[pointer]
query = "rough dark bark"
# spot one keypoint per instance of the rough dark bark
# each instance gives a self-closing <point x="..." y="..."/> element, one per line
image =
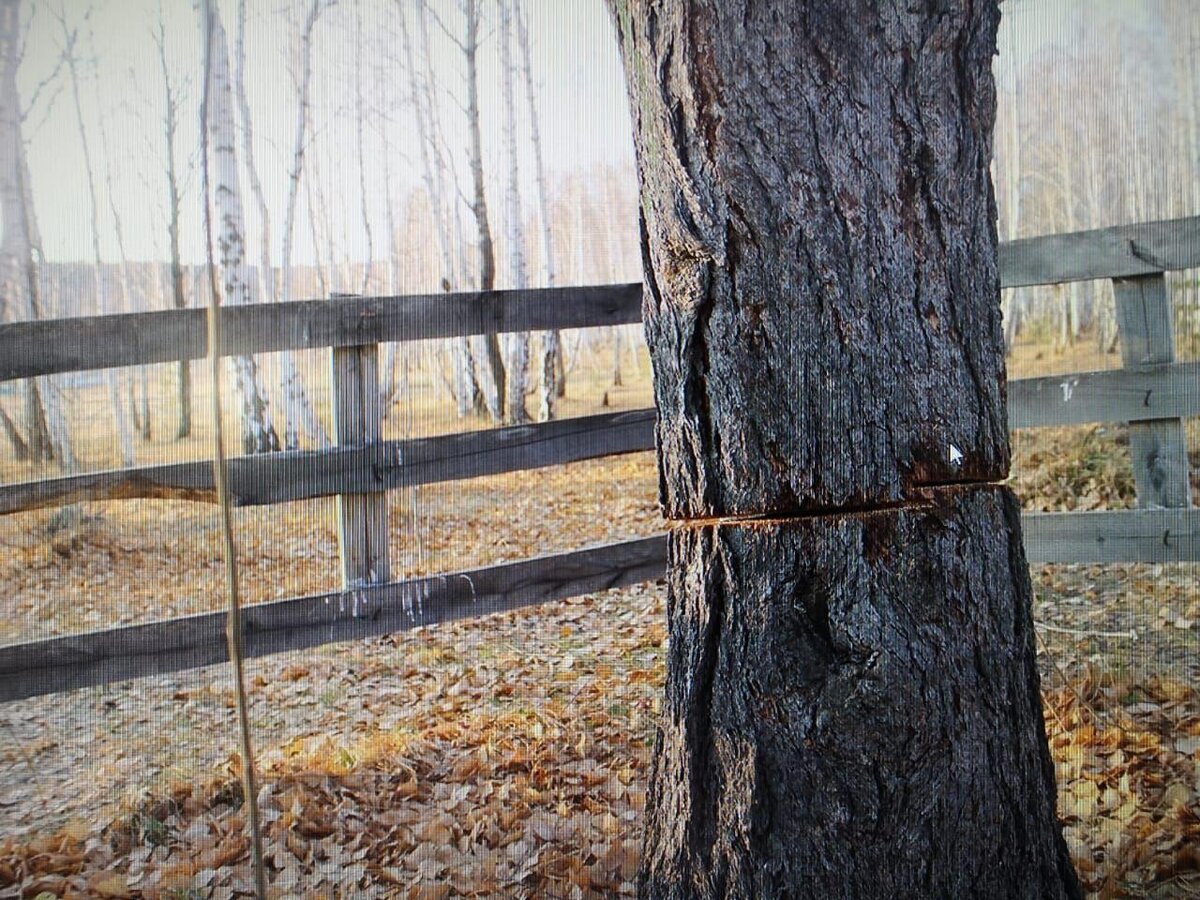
<point x="816" y="199"/>
<point x="852" y="698"/>
<point x="853" y="711"/>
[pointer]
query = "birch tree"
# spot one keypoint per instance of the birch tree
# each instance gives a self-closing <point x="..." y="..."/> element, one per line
<point x="518" y="343"/>
<point x="360" y="144"/>
<point x="1011" y="146"/>
<point x="171" y="106"/>
<point x="388" y="389"/>
<point x="47" y="434"/>
<point x="487" y="251"/>
<point x="852" y="703"/>
<point x="467" y="392"/>
<point x="139" y="406"/>
<point x="300" y="418"/>
<point x="100" y="283"/>
<point x="315" y="203"/>
<point x="258" y="431"/>
<point x="552" y="369"/>
<point x="16" y="252"/>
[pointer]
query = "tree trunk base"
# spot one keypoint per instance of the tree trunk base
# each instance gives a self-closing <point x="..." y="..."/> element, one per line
<point x="853" y="711"/>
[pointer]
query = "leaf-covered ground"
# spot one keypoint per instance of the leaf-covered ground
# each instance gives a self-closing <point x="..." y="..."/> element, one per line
<point x="504" y="757"/>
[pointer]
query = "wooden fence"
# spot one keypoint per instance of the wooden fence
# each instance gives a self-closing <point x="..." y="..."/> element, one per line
<point x="1152" y="392"/>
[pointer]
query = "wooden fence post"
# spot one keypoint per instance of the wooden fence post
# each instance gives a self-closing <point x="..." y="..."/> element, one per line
<point x="357" y="419"/>
<point x="1158" y="446"/>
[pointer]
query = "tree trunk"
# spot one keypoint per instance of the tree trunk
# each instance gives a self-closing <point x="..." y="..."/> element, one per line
<point x="1012" y="180"/>
<point x="853" y="710"/>
<point x="360" y="144"/>
<point x="467" y="350"/>
<point x="100" y="283"/>
<point x="19" y="448"/>
<point x="258" y="431"/>
<point x="47" y="433"/>
<point x="487" y="252"/>
<point x="315" y="200"/>
<point x="302" y="418"/>
<point x="178" y="295"/>
<point x="40" y="446"/>
<point x="387" y="391"/>
<point x="617" y="339"/>
<point x="553" y="375"/>
<point x="137" y="379"/>
<point x="852" y="700"/>
<point x="517" y="368"/>
<point x="467" y="393"/>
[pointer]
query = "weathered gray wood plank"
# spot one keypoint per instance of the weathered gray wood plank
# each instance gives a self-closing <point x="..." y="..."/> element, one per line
<point x="281" y="477"/>
<point x="66" y="663"/>
<point x="1142" y="535"/>
<point x="379" y="566"/>
<point x="97" y="342"/>
<point x="99" y="657"/>
<point x="1119" y="395"/>
<point x="353" y="542"/>
<point x="1119" y="252"/>
<point x="1157" y="446"/>
<point x="362" y="516"/>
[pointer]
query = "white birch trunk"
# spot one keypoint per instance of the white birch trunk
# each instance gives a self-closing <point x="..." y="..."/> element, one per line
<point x="518" y="344"/>
<point x="467" y="350"/>
<point x="364" y="288"/>
<point x="48" y="434"/>
<point x="324" y="264"/>
<point x="178" y="295"/>
<point x="487" y="255"/>
<point x="1014" y="314"/>
<point x="139" y="378"/>
<point x="466" y="388"/>
<point x="551" y="343"/>
<point x="258" y="432"/>
<point x="1073" y="317"/>
<point x="1186" y="46"/>
<point x="464" y="351"/>
<point x="300" y="418"/>
<point x="388" y="389"/>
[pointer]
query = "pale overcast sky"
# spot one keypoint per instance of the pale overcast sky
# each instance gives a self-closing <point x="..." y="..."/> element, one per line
<point x="583" y="110"/>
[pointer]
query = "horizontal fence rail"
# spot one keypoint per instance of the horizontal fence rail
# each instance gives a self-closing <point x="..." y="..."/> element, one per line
<point x="130" y="339"/>
<point x="1123" y="251"/>
<point x="1166" y="391"/>
<point x="1113" y="536"/>
<point x="1118" y="395"/>
<point x="155" y="648"/>
<point x="301" y="475"/>
<point x="28" y="349"/>
<point x="100" y="657"/>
